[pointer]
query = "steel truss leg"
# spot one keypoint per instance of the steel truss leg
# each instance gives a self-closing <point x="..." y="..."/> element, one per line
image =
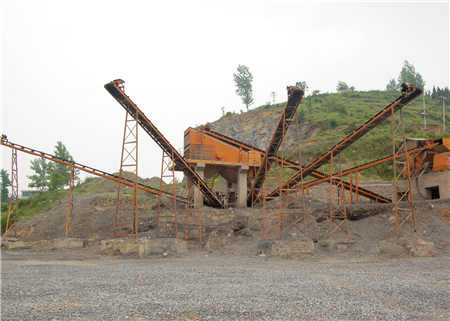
<point x="166" y="223"/>
<point x="403" y="204"/>
<point x="270" y="223"/>
<point x="14" y="198"/>
<point x="69" y="213"/>
<point x="193" y="227"/>
<point x="126" y="211"/>
<point x="338" y="211"/>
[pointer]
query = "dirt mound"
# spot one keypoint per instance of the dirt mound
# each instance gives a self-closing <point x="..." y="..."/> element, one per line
<point x="238" y="231"/>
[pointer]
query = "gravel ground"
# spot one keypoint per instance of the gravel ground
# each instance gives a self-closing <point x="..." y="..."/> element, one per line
<point x="63" y="286"/>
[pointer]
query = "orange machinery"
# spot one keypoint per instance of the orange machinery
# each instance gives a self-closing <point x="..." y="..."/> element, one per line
<point x="436" y="159"/>
<point x="202" y="148"/>
<point x="218" y="157"/>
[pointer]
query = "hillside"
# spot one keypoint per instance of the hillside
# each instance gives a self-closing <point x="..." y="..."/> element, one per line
<point x="325" y="119"/>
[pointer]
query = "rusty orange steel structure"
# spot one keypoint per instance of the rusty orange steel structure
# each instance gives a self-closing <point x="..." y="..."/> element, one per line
<point x="69" y="212"/>
<point x="14" y="198"/>
<point x="337" y="217"/>
<point x="295" y="96"/>
<point x="115" y="88"/>
<point x="126" y="211"/>
<point x="355" y="170"/>
<point x="166" y="222"/>
<point x="221" y="139"/>
<point x="89" y="170"/>
<point x="407" y="96"/>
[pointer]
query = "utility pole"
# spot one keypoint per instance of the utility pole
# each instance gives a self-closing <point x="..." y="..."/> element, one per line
<point x="443" y="114"/>
<point x="424" y="113"/>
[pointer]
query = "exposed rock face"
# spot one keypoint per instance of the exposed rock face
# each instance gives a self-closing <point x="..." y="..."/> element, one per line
<point x="256" y="127"/>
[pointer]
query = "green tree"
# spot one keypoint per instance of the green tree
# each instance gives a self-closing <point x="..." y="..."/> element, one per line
<point x="59" y="174"/>
<point x="302" y="84"/>
<point x="342" y="87"/>
<point x="409" y="75"/>
<point x="40" y="178"/>
<point x="392" y="85"/>
<point x="4" y="185"/>
<point x="243" y="80"/>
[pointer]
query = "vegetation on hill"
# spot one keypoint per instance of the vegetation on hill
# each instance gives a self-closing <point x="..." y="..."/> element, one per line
<point x="47" y="199"/>
<point x="325" y="119"/>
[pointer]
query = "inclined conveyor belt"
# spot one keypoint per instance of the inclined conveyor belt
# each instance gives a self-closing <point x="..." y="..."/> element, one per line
<point x="408" y="94"/>
<point x="295" y="96"/>
<point x="115" y="88"/>
<point x="293" y="165"/>
<point x="90" y="170"/>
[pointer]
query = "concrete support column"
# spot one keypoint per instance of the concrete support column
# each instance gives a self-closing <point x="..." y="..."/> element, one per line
<point x="198" y="196"/>
<point x="242" y="186"/>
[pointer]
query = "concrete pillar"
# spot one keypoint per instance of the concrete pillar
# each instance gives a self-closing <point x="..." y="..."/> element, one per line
<point x="242" y="186"/>
<point x="198" y="196"/>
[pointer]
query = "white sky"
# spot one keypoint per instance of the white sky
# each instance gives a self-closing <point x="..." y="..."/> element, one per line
<point x="178" y="57"/>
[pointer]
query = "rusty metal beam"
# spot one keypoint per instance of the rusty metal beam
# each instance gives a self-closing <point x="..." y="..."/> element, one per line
<point x="115" y="88"/>
<point x="408" y="94"/>
<point x="293" y="165"/>
<point x="89" y="170"/>
<point x="295" y="96"/>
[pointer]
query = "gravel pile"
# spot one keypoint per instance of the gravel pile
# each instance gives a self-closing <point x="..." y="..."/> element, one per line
<point x="62" y="287"/>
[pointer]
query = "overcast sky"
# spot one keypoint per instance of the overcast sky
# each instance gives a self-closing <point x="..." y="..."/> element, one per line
<point x="178" y="57"/>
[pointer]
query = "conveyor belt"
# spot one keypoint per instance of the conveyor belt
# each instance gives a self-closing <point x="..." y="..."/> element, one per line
<point x="376" y="162"/>
<point x="293" y="165"/>
<point x="295" y="96"/>
<point x="115" y="88"/>
<point x="90" y="170"/>
<point x="407" y="96"/>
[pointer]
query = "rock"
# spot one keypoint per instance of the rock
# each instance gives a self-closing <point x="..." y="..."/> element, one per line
<point x="287" y="248"/>
<point x="128" y="247"/>
<point x="389" y="248"/>
<point x="239" y="222"/>
<point x="391" y="219"/>
<point x="244" y="232"/>
<point x="422" y="248"/>
<point x="164" y="247"/>
<point x="402" y="246"/>
<point x="264" y="247"/>
<point x="16" y="245"/>
<point x="218" y="239"/>
<point x="339" y="242"/>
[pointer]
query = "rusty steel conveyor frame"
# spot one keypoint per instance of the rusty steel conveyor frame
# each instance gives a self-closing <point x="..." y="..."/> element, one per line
<point x="366" y="166"/>
<point x="295" y="96"/>
<point x="293" y="165"/>
<point x="90" y="170"/>
<point x="407" y="96"/>
<point x="115" y="89"/>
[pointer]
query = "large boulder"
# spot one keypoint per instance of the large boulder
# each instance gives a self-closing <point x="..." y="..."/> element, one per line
<point x="218" y="239"/>
<point x="292" y="245"/>
<point x="292" y="248"/>
<point x="339" y="241"/>
<point x="391" y="248"/>
<point x="407" y="246"/>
